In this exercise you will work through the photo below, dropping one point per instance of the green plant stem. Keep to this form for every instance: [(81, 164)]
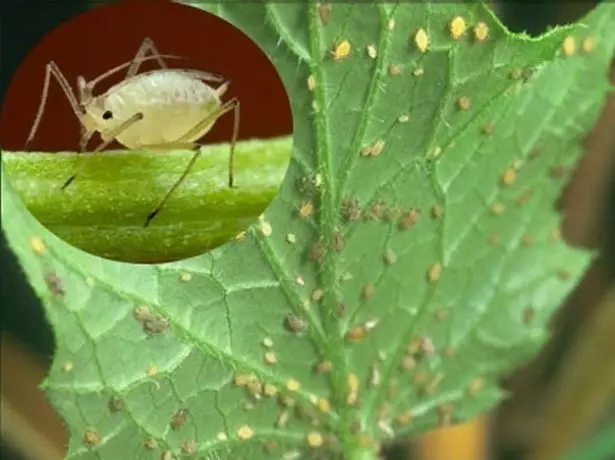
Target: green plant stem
[(104, 209)]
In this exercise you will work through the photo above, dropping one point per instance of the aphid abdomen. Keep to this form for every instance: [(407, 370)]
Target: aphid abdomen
[(172, 103)]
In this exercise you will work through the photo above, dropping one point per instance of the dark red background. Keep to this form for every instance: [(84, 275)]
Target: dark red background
[(95, 41)]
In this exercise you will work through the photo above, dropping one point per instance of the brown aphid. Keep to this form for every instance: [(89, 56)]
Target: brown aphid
[(448, 350), (528, 315), (368, 290), (341, 50), (115, 404), (286, 400), (404, 418), (91, 438), (295, 323), (420, 380), (558, 171), (445, 412), (409, 219), (395, 69), (488, 128), (509, 176), (324, 12), (338, 241), (350, 210), (359, 332), (166, 455), (305, 210), (373, 150), (375, 211), (493, 239), (155, 325), (150, 444), (441, 314), (481, 30), (316, 252), (434, 272), (436, 211), (524, 197), (563, 275), (37, 245), (407, 363), (323, 367), (179, 419), (464, 103), (189, 446), (528, 239), (476, 385), (54, 284), (271, 445)]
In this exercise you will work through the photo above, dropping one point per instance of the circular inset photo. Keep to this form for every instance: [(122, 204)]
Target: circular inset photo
[(146, 132)]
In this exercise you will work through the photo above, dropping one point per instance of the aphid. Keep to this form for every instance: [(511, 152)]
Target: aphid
[(464, 103), (150, 444), (37, 245), (421, 40), (189, 447), (314, 439), (324, 11), (91, 438), (245, 432), (136, 112), (54, 283), (179, 419), (341, 50), (481, 30), (115, 404), (569, 46), (457, 27), (294, 323)]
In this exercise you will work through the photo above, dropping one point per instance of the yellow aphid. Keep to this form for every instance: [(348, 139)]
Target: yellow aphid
[(37, 245), (421, 40), (245, 432), (341, 50), (481, 30), (457, 27), (587, 45), (569, 46)]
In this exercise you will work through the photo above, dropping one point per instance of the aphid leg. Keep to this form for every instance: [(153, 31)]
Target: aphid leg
[(52, 69), (146, 45), (232, 104), (111, 135)]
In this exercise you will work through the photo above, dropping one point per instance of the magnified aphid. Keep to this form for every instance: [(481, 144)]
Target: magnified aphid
[(158, 110)]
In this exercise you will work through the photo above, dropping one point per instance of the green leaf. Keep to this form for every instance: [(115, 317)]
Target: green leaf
[(103, 212), (446, 298), (600, 446)]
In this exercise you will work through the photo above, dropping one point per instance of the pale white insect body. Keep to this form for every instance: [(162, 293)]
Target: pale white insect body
[(159, 109), (172, 101)]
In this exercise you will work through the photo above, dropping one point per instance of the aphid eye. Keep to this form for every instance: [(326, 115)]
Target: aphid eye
[(107, 115)]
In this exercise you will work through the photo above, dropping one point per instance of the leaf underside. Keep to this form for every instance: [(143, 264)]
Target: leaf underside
[(443, 248)]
